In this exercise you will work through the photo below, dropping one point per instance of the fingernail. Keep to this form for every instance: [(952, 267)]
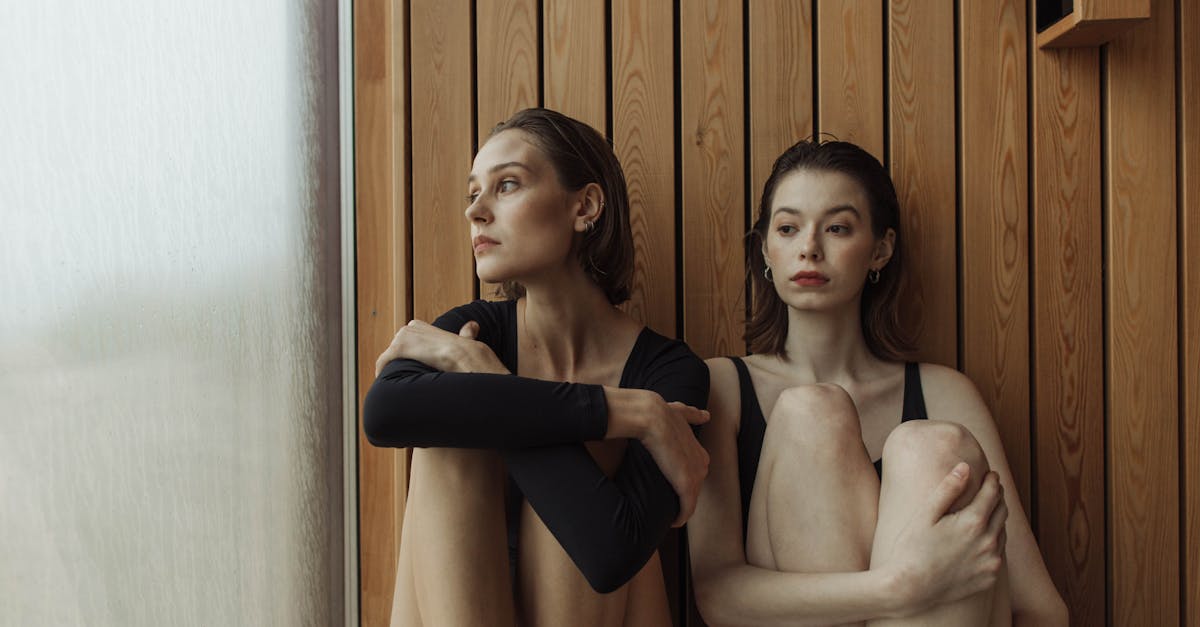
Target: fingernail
[(960, 470)]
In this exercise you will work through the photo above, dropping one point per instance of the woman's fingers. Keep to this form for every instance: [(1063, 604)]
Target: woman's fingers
[(690, 414), (947, 492), (470, 330)]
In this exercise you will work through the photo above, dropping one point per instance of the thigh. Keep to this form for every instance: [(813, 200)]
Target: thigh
[(813, 508), (917, 456), (551, 590), (453, 548)]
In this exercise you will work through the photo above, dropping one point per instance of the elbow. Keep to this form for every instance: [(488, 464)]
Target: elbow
[(378, 426)]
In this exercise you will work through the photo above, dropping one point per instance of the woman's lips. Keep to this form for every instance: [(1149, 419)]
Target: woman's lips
[(809, 279), (481, 243)]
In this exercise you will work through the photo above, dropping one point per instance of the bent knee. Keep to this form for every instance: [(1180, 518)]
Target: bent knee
[(822, 413), (927, 450)]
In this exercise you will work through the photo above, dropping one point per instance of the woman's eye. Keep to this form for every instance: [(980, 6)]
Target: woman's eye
[(839, 229), (471, 197), (508, 185), (786, 229)]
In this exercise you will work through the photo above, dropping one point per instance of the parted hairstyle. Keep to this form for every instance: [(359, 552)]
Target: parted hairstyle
[(580, 155), (766, 331)]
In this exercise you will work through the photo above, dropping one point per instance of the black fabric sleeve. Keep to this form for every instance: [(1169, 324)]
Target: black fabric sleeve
[(611, 527), (411, 404)]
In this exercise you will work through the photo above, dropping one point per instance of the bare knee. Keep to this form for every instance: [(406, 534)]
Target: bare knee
[(819, 418), (925, 451)]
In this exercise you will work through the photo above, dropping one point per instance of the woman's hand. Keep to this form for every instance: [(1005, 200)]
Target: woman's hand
[(665, 429), (440, 349), (941, 557)]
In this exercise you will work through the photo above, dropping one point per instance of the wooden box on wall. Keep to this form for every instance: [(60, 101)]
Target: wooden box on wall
[(1077, 23)]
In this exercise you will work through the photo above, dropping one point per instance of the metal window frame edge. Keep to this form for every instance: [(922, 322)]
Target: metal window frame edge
[(349, 307)]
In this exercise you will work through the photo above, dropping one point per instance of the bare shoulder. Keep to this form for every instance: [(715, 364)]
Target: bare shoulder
[(724, 391), (951, 395)]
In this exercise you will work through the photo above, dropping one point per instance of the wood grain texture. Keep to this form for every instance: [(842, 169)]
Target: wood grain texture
[(850, 72), (922, 161), (713, 186), (1143, 401), (443, 271), (1068, 326), (643, 138), (383, 278), (644, 141), (507, 66), (1189, 304), (573, 50), (994, 220), (781, 85)]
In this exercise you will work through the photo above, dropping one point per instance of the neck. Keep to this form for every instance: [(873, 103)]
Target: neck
[(827, 346), (567, 318)]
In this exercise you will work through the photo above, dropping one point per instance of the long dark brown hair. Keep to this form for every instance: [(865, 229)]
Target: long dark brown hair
[(766, 331), (580, 156)]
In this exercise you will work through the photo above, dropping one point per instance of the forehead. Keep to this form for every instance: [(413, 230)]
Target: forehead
[(504, 147), (817, 190)]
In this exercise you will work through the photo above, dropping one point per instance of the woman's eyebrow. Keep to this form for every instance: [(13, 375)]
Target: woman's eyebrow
[(501, 166), (827, 212)]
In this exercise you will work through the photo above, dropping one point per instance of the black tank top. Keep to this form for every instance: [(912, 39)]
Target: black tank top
[(754, 426)]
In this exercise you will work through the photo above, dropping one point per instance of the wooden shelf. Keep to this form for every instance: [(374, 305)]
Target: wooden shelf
[(1094, 22)]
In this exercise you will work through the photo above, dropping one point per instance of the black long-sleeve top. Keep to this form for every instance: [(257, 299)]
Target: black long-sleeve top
[(609, 527)]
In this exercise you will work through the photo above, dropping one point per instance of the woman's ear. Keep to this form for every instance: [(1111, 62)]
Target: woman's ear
[(591, 206), (884, 249)]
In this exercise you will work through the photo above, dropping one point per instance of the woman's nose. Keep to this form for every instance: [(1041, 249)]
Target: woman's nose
[(478, 211), (810, 248)]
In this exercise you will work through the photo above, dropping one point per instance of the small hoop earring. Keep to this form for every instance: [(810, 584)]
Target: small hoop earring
[(589, 226), (767, 274), (873, 276)]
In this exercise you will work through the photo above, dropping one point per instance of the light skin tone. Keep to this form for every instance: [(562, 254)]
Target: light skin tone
[(524, 225), (935, 542)]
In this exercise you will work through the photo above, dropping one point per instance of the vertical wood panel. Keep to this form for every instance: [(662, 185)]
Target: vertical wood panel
[(507, 63), (1068, 325), (443, 275), (383, 280), (575, 80), (643, 138), (1189, 210), (850, 72), (644, 141), (781, 68), (922, 146), (995, 234), (1142, 385), (711, 135)]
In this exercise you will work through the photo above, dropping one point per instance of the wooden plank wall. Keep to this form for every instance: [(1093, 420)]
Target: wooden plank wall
[(1049, 200)]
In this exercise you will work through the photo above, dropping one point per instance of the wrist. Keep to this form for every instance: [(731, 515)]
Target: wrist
[(896, 595), (627, 415)]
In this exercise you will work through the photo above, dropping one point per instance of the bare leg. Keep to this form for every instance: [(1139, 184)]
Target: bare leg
[(813, 508), (553, 592), (916, 457), (453, 567)]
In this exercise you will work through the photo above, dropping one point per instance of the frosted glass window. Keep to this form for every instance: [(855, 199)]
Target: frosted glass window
[(170, 314)]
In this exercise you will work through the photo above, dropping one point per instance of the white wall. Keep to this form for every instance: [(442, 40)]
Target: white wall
[(170, 322)]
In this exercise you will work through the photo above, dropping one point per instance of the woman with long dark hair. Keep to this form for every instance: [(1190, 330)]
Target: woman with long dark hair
[(847, 483)]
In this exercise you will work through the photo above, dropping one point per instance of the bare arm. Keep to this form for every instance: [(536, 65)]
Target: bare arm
[(950, 395), (732, 592)]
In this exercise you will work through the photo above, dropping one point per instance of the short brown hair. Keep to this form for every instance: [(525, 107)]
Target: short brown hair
[(766, 331), (580, 156)]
